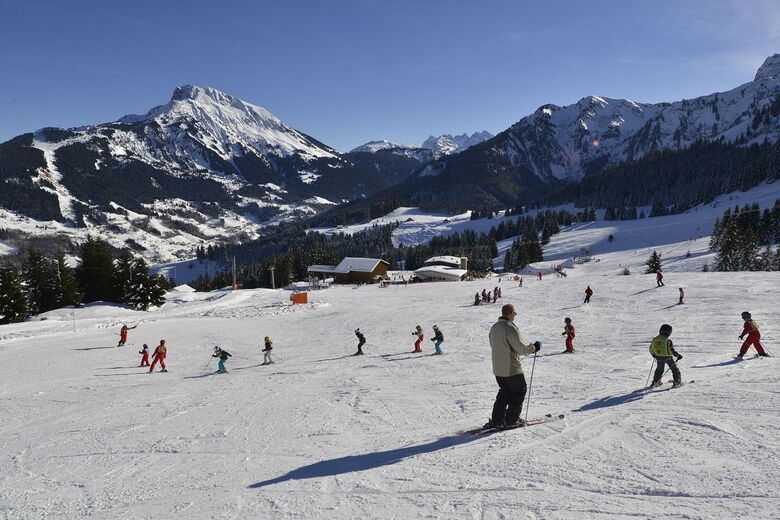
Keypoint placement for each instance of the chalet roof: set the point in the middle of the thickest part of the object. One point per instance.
(348, 265)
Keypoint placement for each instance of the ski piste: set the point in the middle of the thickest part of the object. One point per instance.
(532, 422)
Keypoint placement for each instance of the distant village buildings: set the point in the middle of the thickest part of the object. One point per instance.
(443, 269)
(352, 270)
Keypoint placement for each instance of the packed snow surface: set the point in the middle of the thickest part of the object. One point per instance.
(323, 434)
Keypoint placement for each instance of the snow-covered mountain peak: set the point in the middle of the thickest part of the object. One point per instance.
(770, 68)
(224, 121)
(381, 144)
(447, 144)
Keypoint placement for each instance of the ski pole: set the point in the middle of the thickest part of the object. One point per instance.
(652, 364)
(531, 382)
(207, 365)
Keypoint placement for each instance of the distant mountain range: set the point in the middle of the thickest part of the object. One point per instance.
(431, 148)
(208, 166)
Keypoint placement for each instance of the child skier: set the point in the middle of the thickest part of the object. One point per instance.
(662, 349)
(144, 356)
(588, 294)
(568, 331)
(361, 341)
(123, 334)
(682, 295)
(438, 338)
(222, 355)
(659, 279)
(753, 336)
(159, 356)
(267, 351)
(420, 336)
(476, 299)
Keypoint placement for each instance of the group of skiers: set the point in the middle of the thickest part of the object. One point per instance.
(158, 356)
(438, 339)
(508, 348)
(485, 298)
(160, 352)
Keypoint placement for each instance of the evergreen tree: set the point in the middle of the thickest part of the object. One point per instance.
(123, 277)
(653, 263)
(39, 277)
(145, 290)
(67, 287)
(95, 272)
(13, 300)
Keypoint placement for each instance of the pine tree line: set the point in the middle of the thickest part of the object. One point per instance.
(745, 239)
(43, 284)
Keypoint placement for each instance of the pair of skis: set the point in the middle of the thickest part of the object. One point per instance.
(532, 422)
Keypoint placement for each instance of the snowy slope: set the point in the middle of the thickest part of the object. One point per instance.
(321, 434)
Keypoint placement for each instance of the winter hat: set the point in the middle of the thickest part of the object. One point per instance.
(357, 329)
(145, 345)
(418, 327)
(267, 338)
(665, 329)
(436, 327)
(216, 349)
(746, 315)
(567, 320)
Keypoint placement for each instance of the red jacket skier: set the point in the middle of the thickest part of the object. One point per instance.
(568, 331)
(159, 355)
(144, 356)
(588, 294)
(123, 334)
(420, 336)
(753, 336)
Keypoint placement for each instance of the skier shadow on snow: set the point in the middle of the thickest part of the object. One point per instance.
(721, 364)
(567, 308)
(613, 400)
(366, 461)
(644, 291)
(669, 307)
(334, 358)
(92, 348)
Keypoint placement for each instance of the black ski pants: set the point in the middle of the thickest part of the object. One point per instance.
(509, 401)
(360, 345)
(662, 363)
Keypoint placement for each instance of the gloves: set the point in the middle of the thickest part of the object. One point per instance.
(679, 357)
(563, 333)
(741, 336)
(537, 345)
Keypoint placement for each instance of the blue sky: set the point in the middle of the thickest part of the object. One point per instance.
(350, 71)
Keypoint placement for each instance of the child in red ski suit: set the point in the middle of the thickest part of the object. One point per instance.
(159, 355)
(568, 331)
(753, 336)
(420, 336)
(123, 334)
(144, 356)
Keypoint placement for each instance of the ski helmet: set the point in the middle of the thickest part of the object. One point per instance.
(267, 338)
(436, 327)
(746, 315)
(216, 349)
(418, 327)
(567, 320)
(665, 329)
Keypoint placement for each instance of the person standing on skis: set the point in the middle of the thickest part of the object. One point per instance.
(269, 346)
(144, 356)
(476, 299)
(568, 331)
(223, 355)
(682, 295)
(361, 341)
(420, 336)
(123, 334)
(438, 338)
(659, 279)
(507, 347)
(662, 349)
(159, 356)
(750, 329)
(588, 294)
